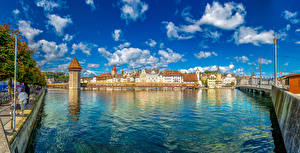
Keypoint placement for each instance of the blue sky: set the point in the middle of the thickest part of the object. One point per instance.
(180, 34)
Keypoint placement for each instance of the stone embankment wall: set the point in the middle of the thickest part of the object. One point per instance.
(287, 108)
(20, 141)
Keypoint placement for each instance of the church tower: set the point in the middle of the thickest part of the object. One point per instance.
(74, 74)
(114, 71)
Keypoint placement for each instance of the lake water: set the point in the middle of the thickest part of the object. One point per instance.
(211, 120)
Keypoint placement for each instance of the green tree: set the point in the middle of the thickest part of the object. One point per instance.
(27, 70)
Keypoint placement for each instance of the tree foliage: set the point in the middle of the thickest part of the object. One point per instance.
(27, 70)
(60, 77)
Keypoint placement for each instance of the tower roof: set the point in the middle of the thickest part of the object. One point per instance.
(74, 66)
(114, 68)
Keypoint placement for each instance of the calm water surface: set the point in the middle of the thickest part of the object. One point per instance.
(213, 120)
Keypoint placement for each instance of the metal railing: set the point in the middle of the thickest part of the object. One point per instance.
(7, 117)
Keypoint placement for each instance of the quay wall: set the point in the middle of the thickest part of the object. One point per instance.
(287, 108)
(19, 143)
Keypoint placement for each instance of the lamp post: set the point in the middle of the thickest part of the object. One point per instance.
(15, 84)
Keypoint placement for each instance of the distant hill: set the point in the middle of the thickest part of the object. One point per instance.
(60, 77)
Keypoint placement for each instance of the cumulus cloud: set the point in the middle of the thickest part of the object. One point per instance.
(50, 50)
(81, 46)
(16, 12)
(246, 35)
(214, 35)
(93, 65)
(91, 4)
(116, 34)
(68, 37)
(264, 61)
(297, 30)
(138, 58)
(59, 23)
(297, 42)
(151, 43)
(242, 59)
(27, 31)
(175, 32)
(203, 54)
(229, 16)
(223, 69)
(124, 45)
(168, 56)
(239, 71)
(47, 5)
(290, 16)
(133, 9)
(134, 57)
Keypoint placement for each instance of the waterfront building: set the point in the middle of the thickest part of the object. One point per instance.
(104, 77)
(229, 80)
(170, 76)
(253, 80)
(74, 74)
(218, 79)
(88, 79)
(198, 73)
(114, 71)
(190, 78)
(150, 75)
(211, 81)
(243, 80)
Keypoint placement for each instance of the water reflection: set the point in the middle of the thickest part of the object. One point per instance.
(213, 120)
(74, 104)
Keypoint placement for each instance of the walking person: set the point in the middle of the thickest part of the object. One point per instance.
(22, 100)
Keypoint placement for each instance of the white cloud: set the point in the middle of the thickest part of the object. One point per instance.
(243, 59)
(246, 35)
(264, 61)
(151, 42)
(93, 65)
(68, 37)
(88, 73)
(176, 32)
(203, 54)
(50, 50)
(297, 30)
(81, 46)
(229, 16)
(167, 57)
(116, 34)
(133, 9)
(297, 42)
(123, 45)
(134, 57)
(239, 71)
(47, 5)
(290, 16)
(223, 69)
(91, 3)
(27, 31)
(215, 35)
(139, 58)
(59, 23)
(286, 64)
(16, 12)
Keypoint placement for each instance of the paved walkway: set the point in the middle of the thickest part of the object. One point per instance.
(4, 146)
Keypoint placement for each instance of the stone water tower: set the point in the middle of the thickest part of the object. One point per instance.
(74, 74)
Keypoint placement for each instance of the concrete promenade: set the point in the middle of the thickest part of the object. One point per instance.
(6, 131)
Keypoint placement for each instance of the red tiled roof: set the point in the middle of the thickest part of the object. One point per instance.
(190, 77)
(171, 73)
(104, 76)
